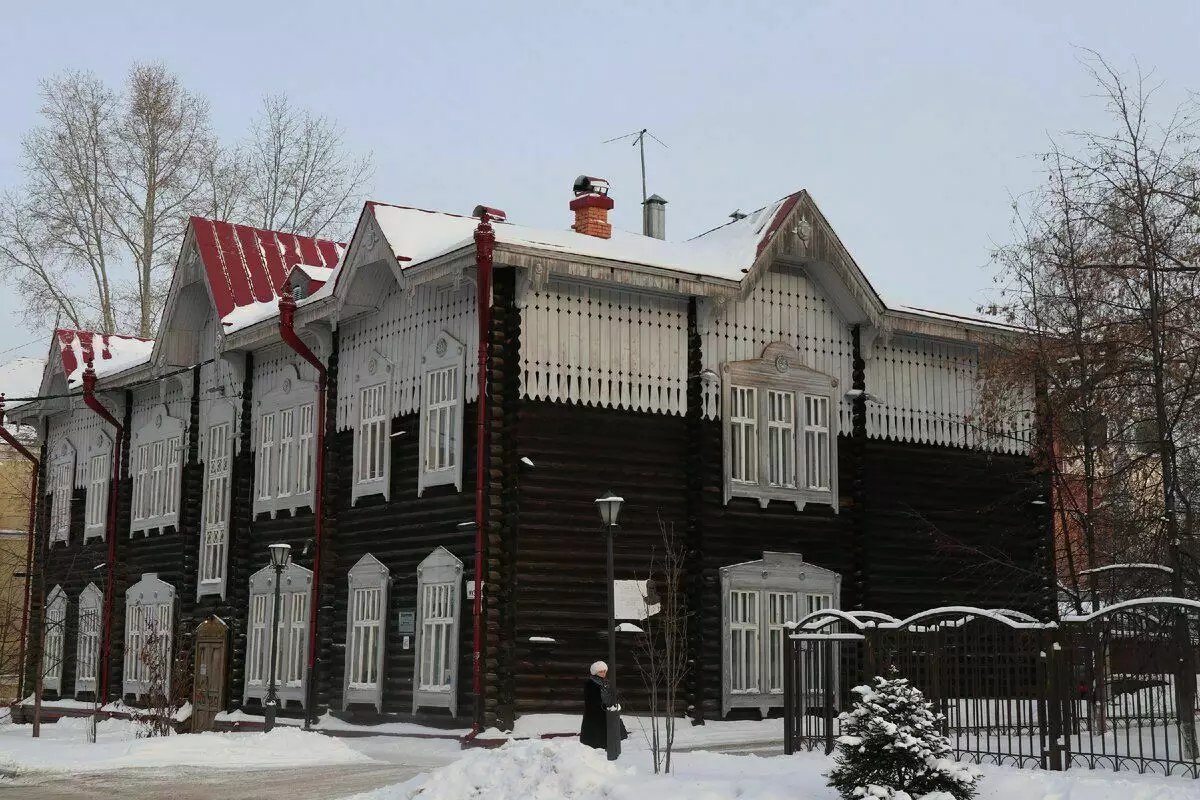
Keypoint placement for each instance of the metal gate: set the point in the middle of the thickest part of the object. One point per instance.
(1111, 690)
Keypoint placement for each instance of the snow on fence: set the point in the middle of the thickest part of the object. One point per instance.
(1115, 689)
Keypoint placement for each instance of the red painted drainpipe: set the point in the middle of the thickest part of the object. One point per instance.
(287, 331)
(15, 443)
(110, 530)
(485, 242)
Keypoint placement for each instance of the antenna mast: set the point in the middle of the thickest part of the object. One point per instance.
(640, 142)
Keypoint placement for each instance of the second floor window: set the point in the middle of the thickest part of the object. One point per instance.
(441, 423)
(284, 453)
(156, 456)
(779, 430)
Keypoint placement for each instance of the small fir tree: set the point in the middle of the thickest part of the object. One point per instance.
(892, 749)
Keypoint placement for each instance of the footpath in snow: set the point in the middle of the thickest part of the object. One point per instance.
(566, 770)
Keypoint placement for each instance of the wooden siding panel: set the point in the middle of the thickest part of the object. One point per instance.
(604, 347)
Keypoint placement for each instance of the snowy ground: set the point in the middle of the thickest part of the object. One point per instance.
(286, 763)
(565, 770)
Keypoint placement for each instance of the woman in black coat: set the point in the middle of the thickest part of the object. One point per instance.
(596, 698)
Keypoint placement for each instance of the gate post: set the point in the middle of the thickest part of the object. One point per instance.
(790, 657)
(828, 656)
(1050, 703)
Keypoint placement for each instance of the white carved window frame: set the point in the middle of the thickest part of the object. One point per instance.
(373, 370)
(367, 594)
(62, 489)
(444, 357)
(149, 608)
(87, 646)
(216, 500)
(158, 427)
(780, 369)
(289, 395)
(773, 574)
(99, 457)
(291, 659)
(55, 623)
(441, 568)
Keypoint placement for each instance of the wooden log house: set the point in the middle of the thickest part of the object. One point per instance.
(809, 445)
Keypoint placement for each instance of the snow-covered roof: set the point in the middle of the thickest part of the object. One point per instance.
(321, 274)
(246, 266)
(416, 235)
(109, 353)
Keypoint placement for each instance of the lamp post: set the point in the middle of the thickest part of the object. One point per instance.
(281, 554)
(610, 509)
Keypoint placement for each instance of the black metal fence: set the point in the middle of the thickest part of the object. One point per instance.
(1112, 690)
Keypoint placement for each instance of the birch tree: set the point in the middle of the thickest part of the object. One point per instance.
(110, 177)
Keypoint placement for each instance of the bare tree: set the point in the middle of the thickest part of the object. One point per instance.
(90, 237)
(57, 229)
(298, 175)
(1106, 281)
(166, 684)
(154, 165)
(661, 655)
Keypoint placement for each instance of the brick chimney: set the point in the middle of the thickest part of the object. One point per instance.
(591, 206)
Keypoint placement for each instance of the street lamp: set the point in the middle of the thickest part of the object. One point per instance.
(281, 554)
(610, 508)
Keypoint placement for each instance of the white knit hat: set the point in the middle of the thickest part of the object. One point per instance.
(599, 667)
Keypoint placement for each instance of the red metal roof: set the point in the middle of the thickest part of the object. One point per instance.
(247, 265)
(79, 347)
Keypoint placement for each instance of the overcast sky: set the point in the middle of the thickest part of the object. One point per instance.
(913, 124)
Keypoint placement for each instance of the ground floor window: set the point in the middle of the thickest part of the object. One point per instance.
(149, 632)
(291, 631)
(758, 599)
(87, 650)
(52, 649)
(439, 581)
(366, 632)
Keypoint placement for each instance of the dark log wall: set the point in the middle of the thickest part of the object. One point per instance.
(578, 453)
(742, 531)
(948, 526)
(401, 533)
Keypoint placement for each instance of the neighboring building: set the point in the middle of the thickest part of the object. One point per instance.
(811, 446)
(19, 378)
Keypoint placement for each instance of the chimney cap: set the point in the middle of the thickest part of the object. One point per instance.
(493, 214)
(656, 199)
(585, 184)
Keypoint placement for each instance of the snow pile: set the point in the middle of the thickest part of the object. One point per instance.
(63, 747)
(567, 770)
(538, 770)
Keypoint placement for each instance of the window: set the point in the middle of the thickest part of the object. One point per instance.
(291, 656)
(304, 451)
(442, 414)
(97, 481)
(779, 430)
(157, 453)
(439, 581)
(215, 535)
(62, 488)
(366, 632)
(743, 641)
(284, 456)
(266, 452)
(52, 648)
(743, 435)
(369, 404)
(816, 442)
(87, 648)
(759, 599)
(149, 632)
(372, 433)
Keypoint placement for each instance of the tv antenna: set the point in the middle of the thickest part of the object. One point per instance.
(640, 141)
